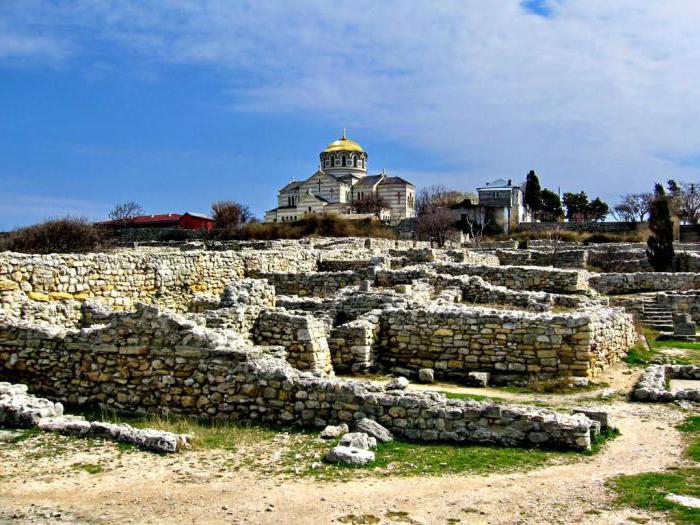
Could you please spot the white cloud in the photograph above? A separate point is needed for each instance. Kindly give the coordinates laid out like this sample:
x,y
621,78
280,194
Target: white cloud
x,y
600,95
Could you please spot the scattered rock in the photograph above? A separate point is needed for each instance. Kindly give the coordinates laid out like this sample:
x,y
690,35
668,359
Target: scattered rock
x,y
332,432
426,375
374,429
480,379
579,381
358,440
400,383
596,415
686,501
349,456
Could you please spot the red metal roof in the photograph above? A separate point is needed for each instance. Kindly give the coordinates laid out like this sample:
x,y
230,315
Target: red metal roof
x,y
147,219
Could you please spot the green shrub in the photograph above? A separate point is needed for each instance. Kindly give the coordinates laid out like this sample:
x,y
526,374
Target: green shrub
x,y
64,235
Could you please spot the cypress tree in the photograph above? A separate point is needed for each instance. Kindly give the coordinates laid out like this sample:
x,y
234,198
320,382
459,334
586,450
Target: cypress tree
x,y
660,243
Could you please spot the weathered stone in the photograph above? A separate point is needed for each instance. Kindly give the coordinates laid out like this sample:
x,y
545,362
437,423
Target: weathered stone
x,y
358,440
331,432
426,375
374,429
349,456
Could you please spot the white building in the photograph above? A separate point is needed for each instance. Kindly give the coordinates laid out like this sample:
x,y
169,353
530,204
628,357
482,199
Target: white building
x,y
340,182
504,203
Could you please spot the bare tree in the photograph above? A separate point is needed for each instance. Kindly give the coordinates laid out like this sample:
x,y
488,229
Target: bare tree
x,y
369,203
689,203
435,225
438,196
633,207
125,211
230,214
476,225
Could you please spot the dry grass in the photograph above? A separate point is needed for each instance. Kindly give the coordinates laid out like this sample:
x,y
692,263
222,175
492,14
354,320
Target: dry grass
x,y
319,226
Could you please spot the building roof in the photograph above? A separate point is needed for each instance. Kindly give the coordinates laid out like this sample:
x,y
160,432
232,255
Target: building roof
x,y
343,144
291,186
498,183
395,180
198,215
147,219
369,180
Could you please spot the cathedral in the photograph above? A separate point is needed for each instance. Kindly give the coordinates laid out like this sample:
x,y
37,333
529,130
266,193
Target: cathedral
x,y
341,186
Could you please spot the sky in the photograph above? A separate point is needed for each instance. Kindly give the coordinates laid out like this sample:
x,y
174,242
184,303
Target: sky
x,y
175,104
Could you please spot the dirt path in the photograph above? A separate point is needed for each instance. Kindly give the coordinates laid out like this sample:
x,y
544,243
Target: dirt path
x,y
177,489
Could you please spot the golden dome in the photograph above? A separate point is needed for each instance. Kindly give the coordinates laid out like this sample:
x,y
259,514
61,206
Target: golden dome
x,y
343,144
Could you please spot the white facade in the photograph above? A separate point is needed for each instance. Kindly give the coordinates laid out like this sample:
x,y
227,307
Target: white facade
x,y
342,180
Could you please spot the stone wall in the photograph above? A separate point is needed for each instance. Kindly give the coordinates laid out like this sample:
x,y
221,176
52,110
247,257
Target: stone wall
x,y
318,284
628,283
560,259
303,337
185,369
121,279
455,340
354,344
681,303
530,278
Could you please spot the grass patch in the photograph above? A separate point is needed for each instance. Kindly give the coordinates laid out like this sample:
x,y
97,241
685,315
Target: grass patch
x,y
404,458
648,490
90,468
24,435
658,345
638,355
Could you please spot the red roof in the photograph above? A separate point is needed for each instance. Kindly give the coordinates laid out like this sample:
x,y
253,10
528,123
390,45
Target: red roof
x,y
147,219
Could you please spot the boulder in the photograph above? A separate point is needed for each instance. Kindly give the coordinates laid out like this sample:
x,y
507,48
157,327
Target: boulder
x,y
332,432
349,456
374,429
480,379
426,375
400,383
358,440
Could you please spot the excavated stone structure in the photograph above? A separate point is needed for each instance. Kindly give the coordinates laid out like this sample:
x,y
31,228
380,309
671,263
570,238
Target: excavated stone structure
x,y
261,331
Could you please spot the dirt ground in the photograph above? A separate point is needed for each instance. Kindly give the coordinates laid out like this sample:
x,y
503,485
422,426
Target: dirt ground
x,y
200,486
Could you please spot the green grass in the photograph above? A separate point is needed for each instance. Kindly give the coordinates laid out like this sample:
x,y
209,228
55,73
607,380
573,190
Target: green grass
x,y
658,345
638,355
90,468
648,490
404,458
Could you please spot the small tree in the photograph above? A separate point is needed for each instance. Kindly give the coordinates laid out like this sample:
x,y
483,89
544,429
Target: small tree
x,y
533,192
435,225
230,214
660,243
369,203
551,210
125,211
576,206
597,210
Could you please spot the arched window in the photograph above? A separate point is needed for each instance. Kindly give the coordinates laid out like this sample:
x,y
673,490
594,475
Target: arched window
x,y
355,159
327,163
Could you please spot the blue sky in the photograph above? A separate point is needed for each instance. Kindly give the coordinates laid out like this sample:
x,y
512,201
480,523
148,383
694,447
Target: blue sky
x,y
178,103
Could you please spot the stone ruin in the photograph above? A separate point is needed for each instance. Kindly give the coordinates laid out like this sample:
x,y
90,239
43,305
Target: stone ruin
x,y
281,332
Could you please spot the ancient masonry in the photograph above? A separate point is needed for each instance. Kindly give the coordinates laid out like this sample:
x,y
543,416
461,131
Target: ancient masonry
x,y
279,332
